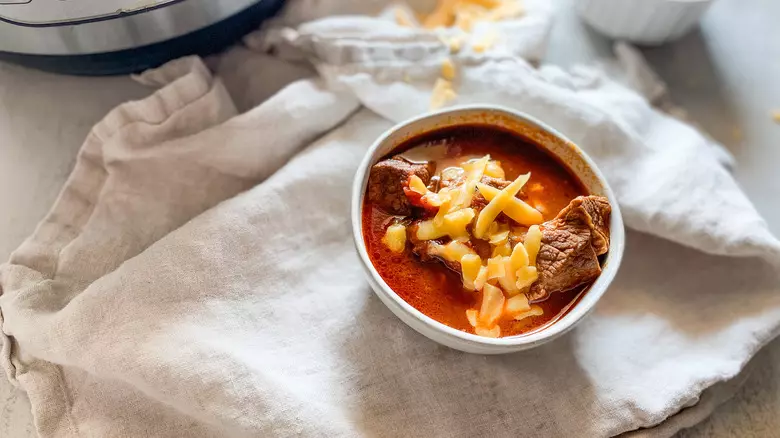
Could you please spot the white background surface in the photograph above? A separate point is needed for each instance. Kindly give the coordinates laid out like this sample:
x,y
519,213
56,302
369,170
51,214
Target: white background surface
x,y
725,75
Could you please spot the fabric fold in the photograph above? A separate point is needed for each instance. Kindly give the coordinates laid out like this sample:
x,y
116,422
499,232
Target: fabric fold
x,y
196,275
667,176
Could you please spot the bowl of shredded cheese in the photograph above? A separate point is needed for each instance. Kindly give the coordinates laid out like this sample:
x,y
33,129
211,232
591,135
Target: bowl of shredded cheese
x,y
649,22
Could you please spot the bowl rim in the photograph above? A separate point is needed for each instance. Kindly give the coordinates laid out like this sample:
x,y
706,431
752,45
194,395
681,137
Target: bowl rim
x,y
510,343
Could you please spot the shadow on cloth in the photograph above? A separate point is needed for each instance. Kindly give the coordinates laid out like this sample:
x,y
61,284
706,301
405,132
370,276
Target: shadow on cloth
x,y
695,292
693,79
667,302
401,389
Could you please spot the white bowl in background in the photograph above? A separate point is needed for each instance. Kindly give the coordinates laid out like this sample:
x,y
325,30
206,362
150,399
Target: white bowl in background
x,y
550,140
648,22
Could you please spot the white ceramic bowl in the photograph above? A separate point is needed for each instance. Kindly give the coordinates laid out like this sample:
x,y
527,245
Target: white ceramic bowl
x,y
539,133
649,22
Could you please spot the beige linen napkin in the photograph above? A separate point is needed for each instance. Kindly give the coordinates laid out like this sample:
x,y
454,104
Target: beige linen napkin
x,y
145,170
126,316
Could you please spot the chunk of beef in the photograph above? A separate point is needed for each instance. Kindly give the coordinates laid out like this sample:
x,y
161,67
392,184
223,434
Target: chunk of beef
x,y
387,181
424,248
571,244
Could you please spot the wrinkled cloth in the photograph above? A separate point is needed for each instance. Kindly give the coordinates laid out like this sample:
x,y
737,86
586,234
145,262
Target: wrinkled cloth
x,y
196,276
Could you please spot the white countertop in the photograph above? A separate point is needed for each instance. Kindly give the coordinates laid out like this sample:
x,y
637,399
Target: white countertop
x,y
727,75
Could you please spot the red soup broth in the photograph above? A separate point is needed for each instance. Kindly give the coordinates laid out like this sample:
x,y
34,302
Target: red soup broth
x,y
432,288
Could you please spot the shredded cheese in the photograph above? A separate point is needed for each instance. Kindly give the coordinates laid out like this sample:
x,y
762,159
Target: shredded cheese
x,y
452,251
452,224
455,223
494,170
471,316
497,204
474,171
519,257
441,16
532,243
492,306
464,13
517,210
535,311
444,208
509,281
479,283
442,93
498,237
454,44
417,185
526,277
448,69
494,332
485,42
504,249
495,268
427,230
470,265
402,18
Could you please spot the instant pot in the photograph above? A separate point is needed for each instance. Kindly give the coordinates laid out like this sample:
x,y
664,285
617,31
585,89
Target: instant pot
x,y
99,37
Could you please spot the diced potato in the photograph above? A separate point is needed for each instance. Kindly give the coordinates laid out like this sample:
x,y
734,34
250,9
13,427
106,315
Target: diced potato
x,y
417,185
471,315
526,276
395,237
492,305
494,332
509,281
495,268
517,210
519,257
470,265
494,169
481,279
516,305
532,243
534,311
497,204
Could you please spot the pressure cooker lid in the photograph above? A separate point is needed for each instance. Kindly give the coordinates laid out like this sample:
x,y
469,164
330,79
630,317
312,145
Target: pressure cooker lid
x,y
59,12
